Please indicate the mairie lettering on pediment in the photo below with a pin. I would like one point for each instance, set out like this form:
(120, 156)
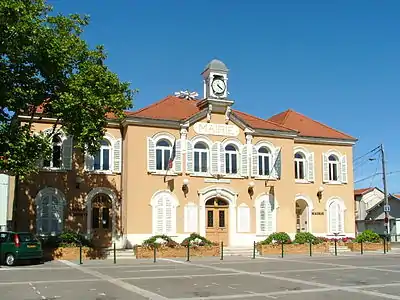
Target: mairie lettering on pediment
(216, 129)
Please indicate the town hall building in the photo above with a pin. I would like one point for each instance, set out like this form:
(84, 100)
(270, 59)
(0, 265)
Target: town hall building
(183, 165)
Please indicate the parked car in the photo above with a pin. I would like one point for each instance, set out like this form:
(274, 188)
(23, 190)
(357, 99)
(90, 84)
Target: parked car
(19, 246)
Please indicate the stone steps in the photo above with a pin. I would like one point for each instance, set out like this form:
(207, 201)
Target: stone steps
(340, 249)
(239, 251)
(122, 254)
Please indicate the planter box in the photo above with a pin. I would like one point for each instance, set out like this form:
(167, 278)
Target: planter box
(356, 247)
(292, 248)
(72, 253)
(164, 252)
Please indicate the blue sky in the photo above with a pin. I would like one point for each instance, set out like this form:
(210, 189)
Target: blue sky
(334, 61)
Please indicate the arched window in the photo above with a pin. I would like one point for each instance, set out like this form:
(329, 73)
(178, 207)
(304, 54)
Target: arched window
(299, 165)
(49, 214)
(55, 160)
(102, 158)
(201, 157)
(231, 159)
(336, 217)
(164, 214)
(163, 154)
(333, 162)
(264, 161)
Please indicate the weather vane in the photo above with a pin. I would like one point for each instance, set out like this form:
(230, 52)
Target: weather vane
(186, 95)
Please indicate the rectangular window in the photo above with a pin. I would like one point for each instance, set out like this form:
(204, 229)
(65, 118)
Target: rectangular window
(167, 156)
(106, 218)
(197, 162)
(159, 159)
(221, 215)
(106, 159)
(227, 163)
(96, 161)
(234, 164)
(266, 165)
(95, 217)
(56, 156)
(210, 218)
(204, 168)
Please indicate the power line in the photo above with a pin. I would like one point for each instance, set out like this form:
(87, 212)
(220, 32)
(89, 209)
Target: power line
(377, 173)
(369, 152)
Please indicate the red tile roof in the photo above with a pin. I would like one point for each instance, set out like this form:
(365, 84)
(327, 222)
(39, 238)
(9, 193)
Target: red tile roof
(360, 192)
(306, 126)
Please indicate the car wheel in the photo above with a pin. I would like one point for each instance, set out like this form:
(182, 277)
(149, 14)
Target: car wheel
(10, 259)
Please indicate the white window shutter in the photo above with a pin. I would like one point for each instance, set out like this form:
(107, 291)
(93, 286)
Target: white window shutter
(310, 167)
(333, 217)
(178, 157)
(168, 216)
(67, 153)
(325, 168)
(117, 157)
(160, 213)
(269, 216)
(221, 162)
(89, 161)
(189, 157)
(254, 161)
(244, 167)
(262, 226)
(151, 155)
(215, 158)
(276, 162)
(343, 168)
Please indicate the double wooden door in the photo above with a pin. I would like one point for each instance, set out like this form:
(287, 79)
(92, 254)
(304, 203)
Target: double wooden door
(102, 221)
(217, 220)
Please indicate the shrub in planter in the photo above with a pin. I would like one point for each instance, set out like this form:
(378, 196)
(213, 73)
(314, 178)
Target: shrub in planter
(277, 238)
(368, 236)
(196, 240)
(158, 241)
(307, 237)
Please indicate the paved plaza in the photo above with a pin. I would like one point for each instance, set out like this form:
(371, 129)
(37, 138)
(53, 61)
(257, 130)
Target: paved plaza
(371, 276)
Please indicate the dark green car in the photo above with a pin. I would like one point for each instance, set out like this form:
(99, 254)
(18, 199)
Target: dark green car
(18, 246)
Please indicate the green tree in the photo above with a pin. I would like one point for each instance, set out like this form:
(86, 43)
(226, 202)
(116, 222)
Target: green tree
(45, 62)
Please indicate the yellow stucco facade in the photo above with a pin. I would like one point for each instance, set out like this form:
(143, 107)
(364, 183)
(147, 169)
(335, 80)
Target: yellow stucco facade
(228, 180)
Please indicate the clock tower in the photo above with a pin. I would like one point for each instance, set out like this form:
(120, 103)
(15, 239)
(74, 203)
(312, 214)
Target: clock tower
(215, 80)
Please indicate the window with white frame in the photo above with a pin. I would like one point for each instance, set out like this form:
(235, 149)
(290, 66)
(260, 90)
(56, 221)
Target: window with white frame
(102, 158)
(336, 217)
(164, 214)
(300, 166)
(333, 167)
(49, 215)
(55, 161)
(265, 215)
(163, 154)
(201, 157)
(264, 161)
(231, 159)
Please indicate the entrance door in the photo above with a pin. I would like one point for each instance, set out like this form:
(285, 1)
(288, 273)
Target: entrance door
(217, 220)
(301, 216)
(102, 220)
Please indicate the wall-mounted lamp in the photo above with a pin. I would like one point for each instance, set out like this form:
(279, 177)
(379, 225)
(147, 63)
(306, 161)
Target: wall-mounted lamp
(185, 186)
(320, 191)
(78, 181)
(250, 189)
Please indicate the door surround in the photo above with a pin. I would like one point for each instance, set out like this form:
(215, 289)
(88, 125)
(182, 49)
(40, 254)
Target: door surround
(310, 208)
(88, 200)
(218, 192)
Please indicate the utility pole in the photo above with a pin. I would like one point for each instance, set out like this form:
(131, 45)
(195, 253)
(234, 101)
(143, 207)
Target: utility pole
(387, 224)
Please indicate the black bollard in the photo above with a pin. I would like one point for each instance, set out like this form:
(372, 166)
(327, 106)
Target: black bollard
(188, 252)
(335, 247)
(154, 254)
(254, 250)
(361, 247)
(115, 253)
(384, 246)
(222, 250)
(80, 254)
(282, 250)
(310, 248)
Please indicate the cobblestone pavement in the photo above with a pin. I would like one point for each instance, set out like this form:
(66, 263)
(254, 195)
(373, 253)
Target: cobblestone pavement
(370, 276)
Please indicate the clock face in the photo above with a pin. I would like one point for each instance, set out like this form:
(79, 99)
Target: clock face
(218, 86)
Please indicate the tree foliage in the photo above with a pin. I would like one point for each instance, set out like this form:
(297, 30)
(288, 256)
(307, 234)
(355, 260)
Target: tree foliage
(45, 62)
